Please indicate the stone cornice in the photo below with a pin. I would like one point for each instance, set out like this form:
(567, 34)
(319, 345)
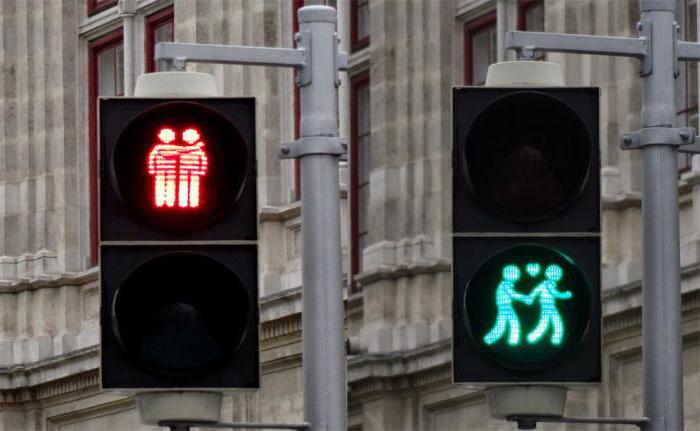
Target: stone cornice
(635, 287)
(69, 373)
(392, 272)
(371, 375)
(280, 214)
(621, 201)
(70, 279)
(283, 327)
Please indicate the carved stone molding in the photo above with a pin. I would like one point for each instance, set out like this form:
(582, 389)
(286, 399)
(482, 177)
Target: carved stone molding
(85, 381)
(393, 272)
(75, 279)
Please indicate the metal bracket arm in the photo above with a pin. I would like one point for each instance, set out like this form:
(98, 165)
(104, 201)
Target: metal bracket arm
(180, 53)
(186, 425)
(688, 51)
(527, 422)
(692, 148)
(675, 136)
(229, 54)
(313, 145)
(576, 43)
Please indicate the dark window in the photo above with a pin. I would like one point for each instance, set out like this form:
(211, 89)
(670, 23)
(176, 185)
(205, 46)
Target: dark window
(160, 27)
(106, 78)
(479, 48)
(531, 18)
(687, 82)
(360, 164)
(359, 24)
(94, 6)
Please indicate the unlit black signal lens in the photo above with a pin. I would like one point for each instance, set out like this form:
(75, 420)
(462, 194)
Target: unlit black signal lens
(527, 156)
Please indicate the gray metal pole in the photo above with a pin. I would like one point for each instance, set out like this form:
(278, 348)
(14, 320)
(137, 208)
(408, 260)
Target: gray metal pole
(127, 10)
(322, 295)
(663, 381)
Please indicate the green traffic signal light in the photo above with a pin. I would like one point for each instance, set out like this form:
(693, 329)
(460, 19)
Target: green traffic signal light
(527, 305)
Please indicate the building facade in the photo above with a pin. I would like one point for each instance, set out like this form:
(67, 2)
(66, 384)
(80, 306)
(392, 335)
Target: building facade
(404, 56)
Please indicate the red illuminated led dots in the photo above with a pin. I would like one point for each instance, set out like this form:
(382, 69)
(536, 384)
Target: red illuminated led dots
(177, 168)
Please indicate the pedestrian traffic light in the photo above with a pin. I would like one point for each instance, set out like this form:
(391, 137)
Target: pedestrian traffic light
(526, 235)
(178, 243)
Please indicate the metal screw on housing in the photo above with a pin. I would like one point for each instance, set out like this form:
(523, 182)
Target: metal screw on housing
(679, 137)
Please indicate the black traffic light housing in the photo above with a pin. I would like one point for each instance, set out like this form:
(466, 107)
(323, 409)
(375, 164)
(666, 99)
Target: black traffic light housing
(526, 235)
(178, 244)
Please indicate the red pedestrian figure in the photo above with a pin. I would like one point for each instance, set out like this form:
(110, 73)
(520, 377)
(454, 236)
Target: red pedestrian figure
(177, 167)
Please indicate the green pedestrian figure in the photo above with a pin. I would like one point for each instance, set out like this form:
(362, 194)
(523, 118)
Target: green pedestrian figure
(548, 295)
(507, 319)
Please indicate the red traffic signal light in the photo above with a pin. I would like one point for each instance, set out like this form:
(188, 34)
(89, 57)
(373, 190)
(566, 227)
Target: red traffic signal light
(178, 165)
(178, 243)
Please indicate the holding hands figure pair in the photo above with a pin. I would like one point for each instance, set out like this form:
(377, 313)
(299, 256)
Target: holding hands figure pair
(546, 292)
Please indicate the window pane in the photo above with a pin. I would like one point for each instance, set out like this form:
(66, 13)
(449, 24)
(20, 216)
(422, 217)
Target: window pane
(362, 19)
(480, 59)
(687, 82)
(534, 18)
(363, 166)
(106, 66)
(119, 72)
(483, 53)
(691, 22)
(365, 160)
(162, 33)
(692, 84)
(363, 108)
(362, 225)
(110, 71)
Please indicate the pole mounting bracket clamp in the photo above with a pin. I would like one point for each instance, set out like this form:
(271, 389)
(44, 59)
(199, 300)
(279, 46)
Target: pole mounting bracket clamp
(682, 137)
(332, 145)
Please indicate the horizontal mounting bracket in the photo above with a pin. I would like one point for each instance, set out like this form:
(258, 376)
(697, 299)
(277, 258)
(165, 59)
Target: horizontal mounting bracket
(527, 422)
(186, 425)
(675, 136)
(576, 43)
(230, 54)
(313, 145)
(179, 54)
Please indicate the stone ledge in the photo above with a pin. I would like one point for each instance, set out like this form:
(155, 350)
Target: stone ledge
(370, 375)
(85, 381)
(60, 280)
(621, 201)
(55, 368)
(392, 272)
(280, 214)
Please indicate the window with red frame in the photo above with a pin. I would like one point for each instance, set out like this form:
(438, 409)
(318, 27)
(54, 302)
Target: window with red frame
(531, 18)
(105, 78)
(479, 48)
(359, 24)
(360, 168)
(296, 4)
(160, 27)
(687, 82)
(94, 6)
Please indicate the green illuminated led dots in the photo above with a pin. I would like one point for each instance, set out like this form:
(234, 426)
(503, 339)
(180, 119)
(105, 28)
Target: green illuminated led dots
(533, 269)
(507, 320)
(548, 294)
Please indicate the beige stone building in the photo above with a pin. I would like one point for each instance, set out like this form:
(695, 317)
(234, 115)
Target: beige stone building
(404, 55)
